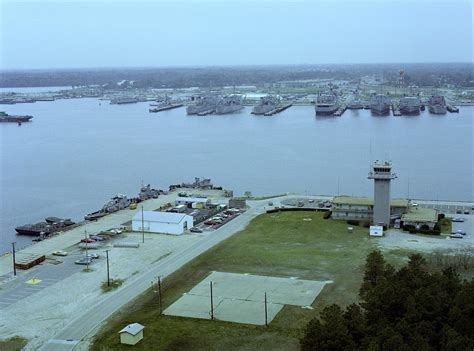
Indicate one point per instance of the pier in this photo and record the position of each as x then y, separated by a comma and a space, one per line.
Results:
396, 110
340, 111
164, 108
277, 110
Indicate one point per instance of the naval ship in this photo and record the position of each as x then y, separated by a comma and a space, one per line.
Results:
266, 104
437, 105
203, 104
380, 105
326, 105
410, 105
123, 100
229, 104
5, 117
118, 202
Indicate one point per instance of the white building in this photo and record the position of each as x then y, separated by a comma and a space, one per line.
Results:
131, 334
162, 222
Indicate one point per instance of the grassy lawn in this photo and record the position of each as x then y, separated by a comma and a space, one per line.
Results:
13, 344
286, 244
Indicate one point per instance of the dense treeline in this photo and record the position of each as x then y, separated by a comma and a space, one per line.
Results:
408, 309
419, 74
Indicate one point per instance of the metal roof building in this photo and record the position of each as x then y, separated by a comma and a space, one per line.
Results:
131, 334
162, 222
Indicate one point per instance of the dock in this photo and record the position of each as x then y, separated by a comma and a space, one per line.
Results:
165, 108
396, 111
277, 110
452, 109
340, 111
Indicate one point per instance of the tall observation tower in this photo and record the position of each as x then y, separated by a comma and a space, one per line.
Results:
382, 174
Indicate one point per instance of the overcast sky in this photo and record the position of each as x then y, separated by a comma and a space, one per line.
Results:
46, 34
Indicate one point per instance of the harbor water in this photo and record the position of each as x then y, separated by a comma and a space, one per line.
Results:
78, 153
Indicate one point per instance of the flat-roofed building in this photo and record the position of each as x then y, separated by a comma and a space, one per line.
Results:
418, 216
362, 208
194, 202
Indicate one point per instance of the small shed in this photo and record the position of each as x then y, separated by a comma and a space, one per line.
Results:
131, 334
162, 222
376, 230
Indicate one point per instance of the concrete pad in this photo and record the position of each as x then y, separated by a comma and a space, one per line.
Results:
240, 297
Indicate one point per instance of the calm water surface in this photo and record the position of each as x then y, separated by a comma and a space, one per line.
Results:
78, 153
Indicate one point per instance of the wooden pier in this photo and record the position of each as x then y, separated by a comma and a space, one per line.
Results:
277, 110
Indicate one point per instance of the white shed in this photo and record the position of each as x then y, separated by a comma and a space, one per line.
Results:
131, 334
376, 230
162, 222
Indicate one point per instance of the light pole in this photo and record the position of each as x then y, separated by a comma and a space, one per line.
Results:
212, 305
108, 275
143, 229
14, 264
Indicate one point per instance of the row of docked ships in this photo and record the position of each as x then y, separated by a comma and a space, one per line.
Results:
380, 105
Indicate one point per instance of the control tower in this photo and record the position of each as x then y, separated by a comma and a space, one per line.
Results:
382, 174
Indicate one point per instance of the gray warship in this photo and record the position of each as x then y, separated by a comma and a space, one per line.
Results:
326, 105
203, 104
410, 105
229, 104
118, 202
380, 105
147, 192
437, 105
5, 117
266, 104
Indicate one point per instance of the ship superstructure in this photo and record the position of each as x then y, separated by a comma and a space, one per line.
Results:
380, 105
437, 105
326, 105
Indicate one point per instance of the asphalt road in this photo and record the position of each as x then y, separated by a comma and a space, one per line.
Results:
96, 314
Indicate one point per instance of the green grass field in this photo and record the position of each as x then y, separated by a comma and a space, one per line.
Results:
13, 344
286, 244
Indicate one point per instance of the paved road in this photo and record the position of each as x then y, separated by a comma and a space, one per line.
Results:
91, 319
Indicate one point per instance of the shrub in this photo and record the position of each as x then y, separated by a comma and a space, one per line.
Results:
352, 222
424, 227
327, 215
441, 216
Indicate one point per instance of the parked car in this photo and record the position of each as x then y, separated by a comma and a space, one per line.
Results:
270, 203
458, 219
209, 222
467, 212
456, 236
84, 260
93, 256
97, 238
60, 253
311, 201
459, 231
195, 230
459, 211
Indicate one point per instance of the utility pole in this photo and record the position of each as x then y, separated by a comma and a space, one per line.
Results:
143, 229
212, 305
14, 263
108, 275
87, 257
159, 293
266, 314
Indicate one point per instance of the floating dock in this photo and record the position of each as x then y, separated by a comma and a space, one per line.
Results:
452, 109
164, 108
277, 110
